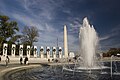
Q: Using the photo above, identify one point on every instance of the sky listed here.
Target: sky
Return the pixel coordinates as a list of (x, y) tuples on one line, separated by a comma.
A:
[(49, 16)]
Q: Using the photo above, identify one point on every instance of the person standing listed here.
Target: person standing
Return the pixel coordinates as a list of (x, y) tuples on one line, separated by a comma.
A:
[(21, 60), (7, 61), (0, 58), (26, 60)]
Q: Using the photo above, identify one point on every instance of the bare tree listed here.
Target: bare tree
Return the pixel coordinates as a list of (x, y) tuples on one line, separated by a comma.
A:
[(30, 35)]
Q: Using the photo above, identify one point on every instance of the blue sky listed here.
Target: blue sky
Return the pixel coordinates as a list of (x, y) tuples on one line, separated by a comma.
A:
[(49, 16)]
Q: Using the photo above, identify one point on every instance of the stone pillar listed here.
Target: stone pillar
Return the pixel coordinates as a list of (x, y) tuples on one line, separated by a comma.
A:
[(13, 50), (65, 43), (60, 52), (71, 54), (35, 51), (54, 52), (28, 51), (48, 52), (5, 49), (21, 51), (42, 52)]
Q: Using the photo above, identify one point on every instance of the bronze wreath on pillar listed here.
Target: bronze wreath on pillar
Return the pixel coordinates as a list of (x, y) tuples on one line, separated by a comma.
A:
[(5, 47), (48, 49), (28, 49), (54, 50), (13, 48), (60, 50), (41, 49), (21, 48)]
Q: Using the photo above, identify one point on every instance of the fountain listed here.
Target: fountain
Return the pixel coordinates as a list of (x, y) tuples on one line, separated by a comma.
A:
[(88, 45), (88, 62), (88, 59)]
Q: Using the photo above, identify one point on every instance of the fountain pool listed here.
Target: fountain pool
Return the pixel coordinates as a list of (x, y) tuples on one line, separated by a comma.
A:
[(56, 73)]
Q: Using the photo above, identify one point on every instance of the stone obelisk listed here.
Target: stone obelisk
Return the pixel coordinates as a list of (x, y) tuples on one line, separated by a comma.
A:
[(65, 42)]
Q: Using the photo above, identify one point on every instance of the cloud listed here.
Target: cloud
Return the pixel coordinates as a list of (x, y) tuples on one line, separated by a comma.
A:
[(3, 8), (108, 36), (111, 39), (49, 38), (104, 38), (71, 43), (46, 11), (43, 14), (75, 26), (116, 29), (48, 34), (114, 32), (67, 11), (42, 8), (49, 28), (26, 20)]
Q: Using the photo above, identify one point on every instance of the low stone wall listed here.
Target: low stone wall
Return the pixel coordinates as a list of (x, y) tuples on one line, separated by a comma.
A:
[(105, 59), (5, 73)]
